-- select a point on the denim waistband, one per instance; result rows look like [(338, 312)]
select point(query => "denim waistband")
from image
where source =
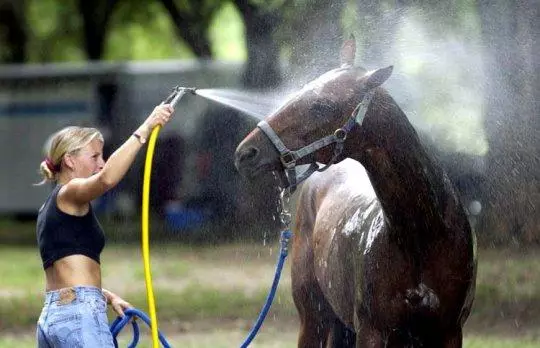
[(72, 293)]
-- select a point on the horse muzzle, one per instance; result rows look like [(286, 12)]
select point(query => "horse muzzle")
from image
[(255, 156), (246, 161)]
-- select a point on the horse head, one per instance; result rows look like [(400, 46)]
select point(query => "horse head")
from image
[(313, 125)]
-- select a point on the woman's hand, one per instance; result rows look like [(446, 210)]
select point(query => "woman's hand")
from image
[(116, 302), (160, 116)]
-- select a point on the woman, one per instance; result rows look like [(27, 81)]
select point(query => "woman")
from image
[(70, 238)]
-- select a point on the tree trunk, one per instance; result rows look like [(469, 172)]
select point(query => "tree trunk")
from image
[(96, 17), (191, 28), (511, 120), (13, 31), (263, 66)]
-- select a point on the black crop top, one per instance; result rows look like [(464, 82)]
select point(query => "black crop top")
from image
[(60, 234)]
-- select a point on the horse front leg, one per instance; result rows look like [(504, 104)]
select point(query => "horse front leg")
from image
[(341, 336), (313, 334), (316, 316), (454, 340)]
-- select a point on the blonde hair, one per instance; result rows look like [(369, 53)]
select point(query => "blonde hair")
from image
[(67, 140)]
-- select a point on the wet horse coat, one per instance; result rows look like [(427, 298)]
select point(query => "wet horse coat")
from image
[(383, 254)]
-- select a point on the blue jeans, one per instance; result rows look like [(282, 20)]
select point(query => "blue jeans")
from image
[(74, 317)]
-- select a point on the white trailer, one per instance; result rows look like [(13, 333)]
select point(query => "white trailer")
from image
[(36, 100)]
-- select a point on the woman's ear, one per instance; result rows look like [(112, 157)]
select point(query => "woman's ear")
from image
[(69, 161)]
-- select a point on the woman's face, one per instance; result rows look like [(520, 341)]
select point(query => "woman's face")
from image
[(88, 160)]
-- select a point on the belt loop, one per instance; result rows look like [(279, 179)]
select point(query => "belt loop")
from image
[(49, 297)]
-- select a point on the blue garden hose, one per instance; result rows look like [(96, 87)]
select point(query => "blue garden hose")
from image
[(119, 323), (285, 237)]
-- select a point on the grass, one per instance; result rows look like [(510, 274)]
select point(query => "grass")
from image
[(498, 342), (209, 294), (266, 339)]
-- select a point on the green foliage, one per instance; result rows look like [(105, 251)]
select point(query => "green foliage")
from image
[(227, 35), (144, 35), (54, 31), (137, 31)]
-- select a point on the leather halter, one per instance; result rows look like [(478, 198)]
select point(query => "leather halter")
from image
[(290, 157)]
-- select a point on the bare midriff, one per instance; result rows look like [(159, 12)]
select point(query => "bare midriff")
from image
[(73, 270)]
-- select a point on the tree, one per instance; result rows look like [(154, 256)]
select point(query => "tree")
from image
[(262, 69), (96, 15), (13, 31), (192, 19)]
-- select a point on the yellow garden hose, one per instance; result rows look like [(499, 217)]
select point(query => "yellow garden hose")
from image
[(172, 100), (146, 234)]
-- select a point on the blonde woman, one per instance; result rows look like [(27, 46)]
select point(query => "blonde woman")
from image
[(70, 238)]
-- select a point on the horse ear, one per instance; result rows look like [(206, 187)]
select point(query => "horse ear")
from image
[(348, 51), (378, 77)]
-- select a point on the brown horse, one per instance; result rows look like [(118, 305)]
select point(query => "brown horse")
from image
[(383, 254)]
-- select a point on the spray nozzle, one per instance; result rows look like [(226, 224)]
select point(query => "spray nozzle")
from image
[(186, 89), (177, 94)]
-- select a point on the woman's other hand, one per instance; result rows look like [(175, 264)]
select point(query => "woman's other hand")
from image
[(118, 304)]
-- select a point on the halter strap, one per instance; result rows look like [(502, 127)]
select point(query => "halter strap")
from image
[(289, 157)]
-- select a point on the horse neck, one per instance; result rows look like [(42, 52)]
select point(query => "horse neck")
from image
[(414, 192)]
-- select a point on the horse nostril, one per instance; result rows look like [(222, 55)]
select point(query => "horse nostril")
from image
[(249, 154)]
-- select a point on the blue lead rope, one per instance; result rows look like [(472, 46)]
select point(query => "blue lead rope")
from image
[(285, 237), (119, 323)]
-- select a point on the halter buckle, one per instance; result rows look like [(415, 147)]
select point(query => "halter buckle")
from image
[(340, 134), (288, 159)]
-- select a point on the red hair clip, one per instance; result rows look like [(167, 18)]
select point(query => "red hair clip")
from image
[(51, 166)]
